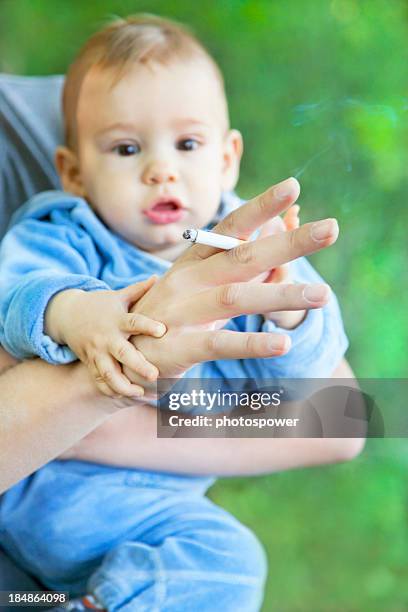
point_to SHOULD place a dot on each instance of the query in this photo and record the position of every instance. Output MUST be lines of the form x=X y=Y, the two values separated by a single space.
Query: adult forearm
x=129 y=439
x=44 y=409
x=141 y=449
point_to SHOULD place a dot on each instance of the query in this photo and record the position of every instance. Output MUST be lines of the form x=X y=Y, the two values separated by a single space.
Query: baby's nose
x=157 y=173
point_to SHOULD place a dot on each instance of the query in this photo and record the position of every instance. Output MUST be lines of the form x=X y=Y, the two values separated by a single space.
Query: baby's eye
x=187 y=144
x=125 y=150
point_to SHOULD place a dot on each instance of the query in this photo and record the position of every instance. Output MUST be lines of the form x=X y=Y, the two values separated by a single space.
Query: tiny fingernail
x=316 y=293
x=139 y=392
x=321 y=230
x=284 y=189
x=160 y=329
x=279 y=344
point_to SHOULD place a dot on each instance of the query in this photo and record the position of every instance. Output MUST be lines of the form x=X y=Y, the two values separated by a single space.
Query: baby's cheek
x=96 y=183
x=109 y=190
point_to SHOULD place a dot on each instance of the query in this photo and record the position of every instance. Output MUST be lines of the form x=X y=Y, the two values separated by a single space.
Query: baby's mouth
x=164 y=211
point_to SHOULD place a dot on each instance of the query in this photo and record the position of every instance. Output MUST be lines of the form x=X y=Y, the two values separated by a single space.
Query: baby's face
x=154 y=151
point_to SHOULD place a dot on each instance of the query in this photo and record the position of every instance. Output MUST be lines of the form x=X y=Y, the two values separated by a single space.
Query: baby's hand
x=285 y=319
x=97 y=325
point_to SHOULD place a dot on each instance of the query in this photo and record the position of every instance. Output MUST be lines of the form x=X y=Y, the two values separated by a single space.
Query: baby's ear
x=233 y=148
x=67 y=164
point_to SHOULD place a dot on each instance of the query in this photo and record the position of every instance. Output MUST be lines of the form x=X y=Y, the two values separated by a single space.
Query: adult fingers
x=235 y=299
x=242 y=222
x=129 y=356
x=224 y=344
x=247 y=261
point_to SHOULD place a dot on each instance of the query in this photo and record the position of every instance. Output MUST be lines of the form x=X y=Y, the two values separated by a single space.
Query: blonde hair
x=123 y=42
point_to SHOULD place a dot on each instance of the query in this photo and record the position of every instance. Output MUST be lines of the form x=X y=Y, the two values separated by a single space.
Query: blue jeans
x=139 y=541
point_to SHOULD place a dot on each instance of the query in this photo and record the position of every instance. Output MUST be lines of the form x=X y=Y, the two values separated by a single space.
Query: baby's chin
x=168 y=246
x=170 y=252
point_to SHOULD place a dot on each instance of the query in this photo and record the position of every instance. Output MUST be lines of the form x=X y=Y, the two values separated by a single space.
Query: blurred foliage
x=319 y=90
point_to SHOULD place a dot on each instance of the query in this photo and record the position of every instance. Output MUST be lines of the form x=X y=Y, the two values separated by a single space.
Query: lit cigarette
x=211 y=239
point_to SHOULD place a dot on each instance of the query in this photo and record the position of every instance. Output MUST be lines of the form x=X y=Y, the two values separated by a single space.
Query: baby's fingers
x=131 y=294
x=129 y=356
x=133 y=323
x=279 y=275
x=273 y=226
x=291 y=218
x=110 y=380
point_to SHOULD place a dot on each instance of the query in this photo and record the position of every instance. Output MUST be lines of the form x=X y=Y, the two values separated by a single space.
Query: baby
x=150 y=150
x=148 y=154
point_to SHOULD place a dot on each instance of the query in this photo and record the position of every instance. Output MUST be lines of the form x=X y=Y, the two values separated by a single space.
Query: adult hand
x=205 y=287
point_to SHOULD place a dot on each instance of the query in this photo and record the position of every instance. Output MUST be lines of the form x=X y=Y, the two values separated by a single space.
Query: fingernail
x=151 y=372
x=160 y=329
x=321 y=230
x=138 y=392
x=284 y=189
x=280 y=344
x=316 y=293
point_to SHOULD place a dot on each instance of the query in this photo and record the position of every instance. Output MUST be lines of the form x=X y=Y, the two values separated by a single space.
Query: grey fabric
x=13 y=578
x=30 y=129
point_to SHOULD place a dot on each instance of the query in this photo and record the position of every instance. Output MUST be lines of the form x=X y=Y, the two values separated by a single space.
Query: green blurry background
x=319 y=90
